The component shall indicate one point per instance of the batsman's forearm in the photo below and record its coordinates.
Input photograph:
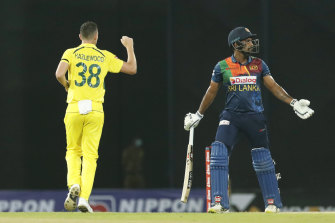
(281, 94)
(132, 59)
(207, 101)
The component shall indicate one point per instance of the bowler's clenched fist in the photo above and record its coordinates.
(127, 41)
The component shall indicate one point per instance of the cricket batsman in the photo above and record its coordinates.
(241, 75)
(87, 67)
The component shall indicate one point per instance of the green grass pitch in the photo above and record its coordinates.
(75, 217)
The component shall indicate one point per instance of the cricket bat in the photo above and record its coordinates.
(188, 169)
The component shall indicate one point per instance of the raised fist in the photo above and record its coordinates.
(127, 41)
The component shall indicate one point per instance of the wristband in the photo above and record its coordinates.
(293, 102)
(199, 114)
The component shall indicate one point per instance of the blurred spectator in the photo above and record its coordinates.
(132, 163)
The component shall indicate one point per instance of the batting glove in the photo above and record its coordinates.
(192, 120)
(301, 108)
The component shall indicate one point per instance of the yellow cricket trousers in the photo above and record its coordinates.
(83, 133)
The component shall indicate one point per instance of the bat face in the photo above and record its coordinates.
(188, 174)
(189, 165)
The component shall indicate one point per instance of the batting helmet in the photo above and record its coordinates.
(242, 33)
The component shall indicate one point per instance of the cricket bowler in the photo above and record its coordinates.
(87, 67)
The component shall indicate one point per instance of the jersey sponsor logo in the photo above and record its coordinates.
(253, 67)
(243, 80)
(224, 122)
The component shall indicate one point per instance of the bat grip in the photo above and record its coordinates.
(190, 141)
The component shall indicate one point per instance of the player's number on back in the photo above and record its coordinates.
(94, 73)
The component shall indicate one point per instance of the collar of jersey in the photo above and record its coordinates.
(235, 61)
(88, 44)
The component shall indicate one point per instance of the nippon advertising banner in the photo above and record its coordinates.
(162, 200)
(105, 201)
(115, 200)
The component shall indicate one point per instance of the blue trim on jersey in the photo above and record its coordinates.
(217, 75)
(265, 69)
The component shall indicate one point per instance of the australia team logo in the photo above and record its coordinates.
(243, 80)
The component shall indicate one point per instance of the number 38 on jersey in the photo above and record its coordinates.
(89, 75)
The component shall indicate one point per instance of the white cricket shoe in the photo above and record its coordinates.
(218, 209)
(84, 206)
(70, 203)
(272, 209)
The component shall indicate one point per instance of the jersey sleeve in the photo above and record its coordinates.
(265, 69)
(217, 74)
(114, 63)
(66, 56)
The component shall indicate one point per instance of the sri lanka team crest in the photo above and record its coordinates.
(243, 80)
(253, 67)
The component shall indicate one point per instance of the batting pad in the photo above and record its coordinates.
(219, 173)
(265, 170)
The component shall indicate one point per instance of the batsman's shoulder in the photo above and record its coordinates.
(222, 61)
(256, 59)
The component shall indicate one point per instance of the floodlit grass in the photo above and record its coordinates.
(75, 217)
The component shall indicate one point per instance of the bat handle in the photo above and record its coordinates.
(190, 141)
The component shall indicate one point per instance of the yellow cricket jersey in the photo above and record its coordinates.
(88, 67)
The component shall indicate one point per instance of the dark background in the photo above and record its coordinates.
(177, 44)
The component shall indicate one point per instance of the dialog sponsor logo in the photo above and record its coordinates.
(243, 80)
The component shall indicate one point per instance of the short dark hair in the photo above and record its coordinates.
(88, 30)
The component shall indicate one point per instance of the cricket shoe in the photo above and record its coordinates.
(218, 209)
(70, 203)
(84, 206)
(272, 209)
